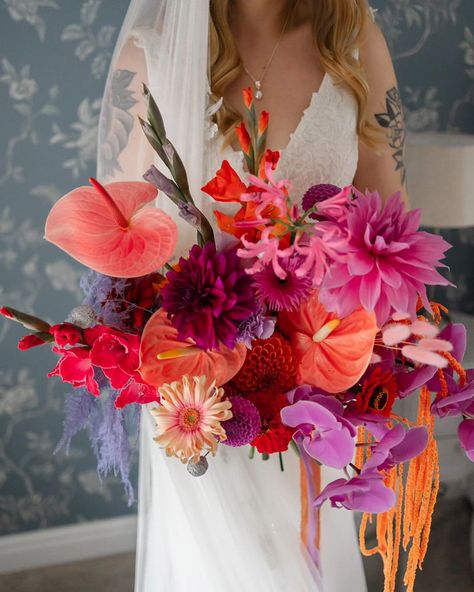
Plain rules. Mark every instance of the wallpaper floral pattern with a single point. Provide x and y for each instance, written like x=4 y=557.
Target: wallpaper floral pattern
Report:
x=54 y=56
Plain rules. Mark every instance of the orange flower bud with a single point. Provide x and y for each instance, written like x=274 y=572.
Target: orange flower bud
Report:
x=263 y=123
x=248 y=97
x=244 y=138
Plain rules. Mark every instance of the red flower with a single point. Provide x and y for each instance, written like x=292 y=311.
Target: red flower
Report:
x=66 y=334
x=226 y=185
x=273 y=436
x=248 y=96
x=136 y=392
x=244 y=138
x=270 y=366
x=29 y=341
x=272 y=157
x=263 y=122
x=378 y=393
x=5 y=311
x=116 y=353
x=75 y=367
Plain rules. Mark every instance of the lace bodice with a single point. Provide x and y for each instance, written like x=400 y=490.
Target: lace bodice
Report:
x=322 y=149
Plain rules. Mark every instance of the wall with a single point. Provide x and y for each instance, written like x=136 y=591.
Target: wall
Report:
x=53 y=60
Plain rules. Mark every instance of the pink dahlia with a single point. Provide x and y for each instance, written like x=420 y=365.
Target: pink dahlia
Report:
x=283 y=294
x=389 y=261
x=209 y=296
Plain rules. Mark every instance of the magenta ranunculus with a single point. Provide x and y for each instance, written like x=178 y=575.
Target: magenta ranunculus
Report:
x=363 y=493
x=466 y=437
x=326 y=435
x=209 y=296
x=389 y=261
x=75 y=367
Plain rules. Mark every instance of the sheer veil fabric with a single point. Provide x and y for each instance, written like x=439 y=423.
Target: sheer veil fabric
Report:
x=237 y=527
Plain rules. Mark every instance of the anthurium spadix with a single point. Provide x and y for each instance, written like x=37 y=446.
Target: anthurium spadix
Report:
x=110 y=229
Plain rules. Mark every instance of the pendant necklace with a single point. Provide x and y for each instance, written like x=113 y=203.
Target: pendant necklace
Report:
x=258 y=82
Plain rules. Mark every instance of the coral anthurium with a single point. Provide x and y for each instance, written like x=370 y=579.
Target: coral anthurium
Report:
x=109 y=230
x=332 y=353
x=163 y=358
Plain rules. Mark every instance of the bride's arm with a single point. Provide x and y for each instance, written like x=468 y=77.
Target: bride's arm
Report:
x=382 y=168
x=126 y=153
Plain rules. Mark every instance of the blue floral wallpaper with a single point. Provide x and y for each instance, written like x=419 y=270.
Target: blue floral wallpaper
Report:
x=54 y=56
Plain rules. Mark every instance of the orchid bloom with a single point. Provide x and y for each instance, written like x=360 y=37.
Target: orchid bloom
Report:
x=397 y=446
x=326 y=435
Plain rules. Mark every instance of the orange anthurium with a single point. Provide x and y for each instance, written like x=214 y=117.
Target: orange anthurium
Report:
x=226 y=185
x=332 y=353
x=109 y=229
x=163 y=358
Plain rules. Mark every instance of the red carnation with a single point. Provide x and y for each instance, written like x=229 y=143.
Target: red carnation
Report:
x=273 y=436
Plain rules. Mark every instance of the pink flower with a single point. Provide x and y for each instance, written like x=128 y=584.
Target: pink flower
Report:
x=66 y=334
x=75 y=367
x=388 y=263
x=29 y=341
x=466 y=437
x=116 y=353
x=136 y=392
x=266 y=252
x=272 y=193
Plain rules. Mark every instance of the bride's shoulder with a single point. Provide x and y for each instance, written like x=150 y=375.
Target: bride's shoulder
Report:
x=374 y=52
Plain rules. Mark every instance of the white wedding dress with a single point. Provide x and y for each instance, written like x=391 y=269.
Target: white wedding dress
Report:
x=237 y=527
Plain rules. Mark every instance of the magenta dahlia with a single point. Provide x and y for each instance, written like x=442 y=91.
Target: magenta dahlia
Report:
x=283 y=294
x=389 y=261
x=209 y=296
x=330 y=201
x=244 y=424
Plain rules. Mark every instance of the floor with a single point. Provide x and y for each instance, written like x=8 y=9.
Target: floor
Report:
x=447 y=566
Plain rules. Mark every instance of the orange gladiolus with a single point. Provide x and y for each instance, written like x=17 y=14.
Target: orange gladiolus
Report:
x=244 y=138
x=332 y=353
x=248 y=97
x=226 y=185
x=263 y=122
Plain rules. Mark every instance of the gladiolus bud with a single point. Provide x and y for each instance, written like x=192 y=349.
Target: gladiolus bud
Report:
x=248 y=97
x=244 y=138
x=29 y=341
x=263 y=123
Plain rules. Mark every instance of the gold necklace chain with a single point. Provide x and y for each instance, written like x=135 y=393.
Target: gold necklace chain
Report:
x=258 y=82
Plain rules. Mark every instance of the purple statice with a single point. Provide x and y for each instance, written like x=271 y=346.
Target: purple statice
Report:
x=245 y=423
x=257 y=326
x=283 y=294
x=209 y=296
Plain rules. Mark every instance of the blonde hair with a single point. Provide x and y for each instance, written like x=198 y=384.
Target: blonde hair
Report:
x=337 y=28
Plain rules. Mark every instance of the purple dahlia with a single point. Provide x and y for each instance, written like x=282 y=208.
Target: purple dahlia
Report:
x=277 y=294
x=209 y=296
x=245 y=423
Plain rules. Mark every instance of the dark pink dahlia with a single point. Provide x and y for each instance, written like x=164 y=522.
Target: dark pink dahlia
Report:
x=317 y=194
x=278 y=294
x=245 y=423
x=209 y=296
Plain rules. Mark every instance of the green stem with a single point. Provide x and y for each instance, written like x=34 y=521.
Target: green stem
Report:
x=251 y=452
x=280 y=458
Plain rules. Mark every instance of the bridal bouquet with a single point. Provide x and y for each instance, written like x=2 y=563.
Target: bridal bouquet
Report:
x=304 y=330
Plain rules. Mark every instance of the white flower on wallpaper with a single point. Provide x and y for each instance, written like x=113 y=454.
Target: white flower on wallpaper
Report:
x=467 y=101
x=17 y=392
x=424 y=16
x=28 y=10
x=421 y=109
x=81 y=138
x=98 y=44
x=63 y=276
x=22 y=89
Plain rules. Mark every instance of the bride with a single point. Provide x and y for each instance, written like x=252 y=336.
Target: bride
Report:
x=323 y=71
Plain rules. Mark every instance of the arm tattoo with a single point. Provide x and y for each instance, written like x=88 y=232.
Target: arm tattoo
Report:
x=392 y=121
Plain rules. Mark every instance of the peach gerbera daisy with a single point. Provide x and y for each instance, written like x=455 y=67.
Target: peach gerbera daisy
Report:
x=189 y=418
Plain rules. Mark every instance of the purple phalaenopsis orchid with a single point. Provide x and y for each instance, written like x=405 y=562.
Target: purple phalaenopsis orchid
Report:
x=397 y=446
x=326 y=435
x=466 y=437
x=363 y=493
